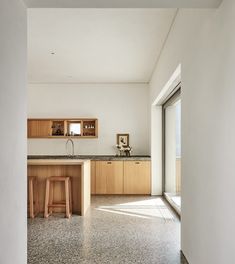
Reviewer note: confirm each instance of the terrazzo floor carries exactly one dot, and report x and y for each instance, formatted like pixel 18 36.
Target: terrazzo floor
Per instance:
pixel 117 229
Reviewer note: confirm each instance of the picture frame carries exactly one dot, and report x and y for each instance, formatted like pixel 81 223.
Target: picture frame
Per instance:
pixel 123 139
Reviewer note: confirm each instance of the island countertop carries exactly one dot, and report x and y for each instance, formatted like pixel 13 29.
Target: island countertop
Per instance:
pixel 81 158
pixel 56 161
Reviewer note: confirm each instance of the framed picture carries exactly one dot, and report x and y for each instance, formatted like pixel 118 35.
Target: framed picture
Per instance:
pixel 123 139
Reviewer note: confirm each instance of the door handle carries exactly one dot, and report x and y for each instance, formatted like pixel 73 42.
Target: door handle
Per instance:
pixel 109 162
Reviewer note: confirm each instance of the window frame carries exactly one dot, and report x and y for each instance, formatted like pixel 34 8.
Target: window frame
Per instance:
pixel 173 97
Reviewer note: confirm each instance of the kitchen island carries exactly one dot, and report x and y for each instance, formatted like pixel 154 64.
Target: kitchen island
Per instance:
pixel 77 169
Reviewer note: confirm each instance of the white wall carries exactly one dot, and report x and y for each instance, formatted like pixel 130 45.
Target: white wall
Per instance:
pixel 203 41
pixel 120 108
pixel 13 228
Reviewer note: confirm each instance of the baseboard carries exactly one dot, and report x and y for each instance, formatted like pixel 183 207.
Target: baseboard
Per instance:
pixel 183 258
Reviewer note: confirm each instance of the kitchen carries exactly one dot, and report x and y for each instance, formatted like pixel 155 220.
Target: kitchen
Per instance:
pixel 101 179
pixel 120 174
pixel 77 123
pixel 88 131
pixel 131 71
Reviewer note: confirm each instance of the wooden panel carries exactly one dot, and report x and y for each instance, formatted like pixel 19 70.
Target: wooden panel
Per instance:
pixel 137 177
pixel 39 128
pixel 96 128
pixel 100 179
pixel 93 177
pixel 44 171
pixel 109 177
pixel 85 187
pixel 114 176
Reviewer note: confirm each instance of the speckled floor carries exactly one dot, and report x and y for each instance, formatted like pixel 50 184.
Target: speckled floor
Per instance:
pixel 115 230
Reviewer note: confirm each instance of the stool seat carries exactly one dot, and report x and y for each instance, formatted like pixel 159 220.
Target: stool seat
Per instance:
pixel 58 178
pixel 33 196
pixel 49 204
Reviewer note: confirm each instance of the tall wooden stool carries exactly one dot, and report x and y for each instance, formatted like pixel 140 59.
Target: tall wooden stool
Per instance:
pixel 49 204
pixel 33 196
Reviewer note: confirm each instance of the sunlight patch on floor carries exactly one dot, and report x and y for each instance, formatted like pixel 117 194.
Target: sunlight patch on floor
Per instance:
pixel 151 208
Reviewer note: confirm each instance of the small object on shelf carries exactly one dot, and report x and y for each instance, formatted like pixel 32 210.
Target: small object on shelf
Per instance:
pixel 57 128
pixel 89 127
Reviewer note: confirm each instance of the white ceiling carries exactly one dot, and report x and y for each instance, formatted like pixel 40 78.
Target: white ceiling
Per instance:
pixel 95 45
pixel 124 3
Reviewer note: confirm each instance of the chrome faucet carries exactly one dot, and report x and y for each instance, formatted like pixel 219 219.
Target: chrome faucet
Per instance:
pixel 72 144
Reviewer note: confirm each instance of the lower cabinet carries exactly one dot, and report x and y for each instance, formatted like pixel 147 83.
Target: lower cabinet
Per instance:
pixel 137 177
pixel 109 177
pixel 93 166
pixel 120 177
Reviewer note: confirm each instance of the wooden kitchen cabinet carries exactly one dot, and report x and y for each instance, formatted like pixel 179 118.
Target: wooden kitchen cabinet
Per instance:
pixel 93 166
pixel 137 177
pixel 109 177
pixel 39 128
pixel 63 128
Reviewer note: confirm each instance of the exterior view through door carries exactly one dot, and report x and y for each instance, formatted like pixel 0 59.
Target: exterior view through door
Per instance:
pixel 172 150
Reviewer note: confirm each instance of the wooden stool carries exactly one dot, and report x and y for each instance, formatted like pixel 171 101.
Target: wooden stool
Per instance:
pixel 33 201
pixel 49 196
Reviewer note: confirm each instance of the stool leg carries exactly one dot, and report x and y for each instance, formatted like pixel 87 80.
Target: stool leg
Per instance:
pixel 36 198
pixel 47 198
pixel 51 197
pixel 70 197
pixel 67 198
pixel 31 211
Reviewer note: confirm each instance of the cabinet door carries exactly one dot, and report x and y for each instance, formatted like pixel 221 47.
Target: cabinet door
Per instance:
pixel 114 176
pixel 100 178
pixel 137 177
pixel 109 177
pixel 39 128
pixel 93 177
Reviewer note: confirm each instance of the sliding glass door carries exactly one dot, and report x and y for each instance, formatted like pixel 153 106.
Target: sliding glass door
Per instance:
pixel 172 150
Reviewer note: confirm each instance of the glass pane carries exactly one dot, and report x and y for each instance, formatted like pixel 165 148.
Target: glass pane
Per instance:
pixel 173 152
pixel 75 129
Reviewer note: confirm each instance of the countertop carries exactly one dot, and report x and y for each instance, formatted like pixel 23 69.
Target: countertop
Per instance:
pixel 62 161
pixel 89 157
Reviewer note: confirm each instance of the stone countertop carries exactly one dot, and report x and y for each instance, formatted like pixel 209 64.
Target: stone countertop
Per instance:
pixel 57 161
pixel 90 157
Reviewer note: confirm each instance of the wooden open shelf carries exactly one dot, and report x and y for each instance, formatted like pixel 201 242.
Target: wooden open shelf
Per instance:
pixel 62 128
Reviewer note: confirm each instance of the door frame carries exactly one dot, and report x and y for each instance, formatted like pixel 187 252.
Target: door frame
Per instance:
pixel 174 96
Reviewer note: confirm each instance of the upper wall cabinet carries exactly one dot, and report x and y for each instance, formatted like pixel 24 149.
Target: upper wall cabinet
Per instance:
pixel 63 128
pixel 39 128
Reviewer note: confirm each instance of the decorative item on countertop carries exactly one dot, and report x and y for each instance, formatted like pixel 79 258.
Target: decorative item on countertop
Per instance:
pixel 124 150
pixel 122 145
